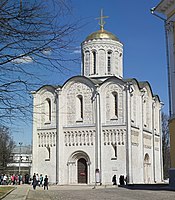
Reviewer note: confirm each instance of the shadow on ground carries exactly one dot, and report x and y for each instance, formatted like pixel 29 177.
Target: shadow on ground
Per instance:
pixel 163 186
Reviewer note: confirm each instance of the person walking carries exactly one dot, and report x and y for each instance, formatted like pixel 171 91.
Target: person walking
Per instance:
pixel 46 181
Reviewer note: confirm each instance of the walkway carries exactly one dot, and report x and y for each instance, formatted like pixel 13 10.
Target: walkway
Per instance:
pixel 84 192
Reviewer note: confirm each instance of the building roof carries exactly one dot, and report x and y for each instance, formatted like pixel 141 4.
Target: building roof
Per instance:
pixel 166 7
pixel 24 150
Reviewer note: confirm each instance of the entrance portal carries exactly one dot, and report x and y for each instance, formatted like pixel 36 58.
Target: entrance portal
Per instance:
pixel 82 171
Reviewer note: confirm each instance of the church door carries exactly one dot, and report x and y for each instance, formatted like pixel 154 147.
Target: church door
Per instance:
pixel 82 171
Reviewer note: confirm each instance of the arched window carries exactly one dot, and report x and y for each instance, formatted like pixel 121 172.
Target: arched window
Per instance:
pixel 86 63
pixel 48 110
pixel 114 105
pixel 115 96
pixel 109 62
pixel 94 62
pixel 144 113
pixel 79 108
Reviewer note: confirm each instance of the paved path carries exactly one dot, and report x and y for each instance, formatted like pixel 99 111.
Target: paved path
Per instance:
pixel 20 193
pixel 87 193
pixel 81 192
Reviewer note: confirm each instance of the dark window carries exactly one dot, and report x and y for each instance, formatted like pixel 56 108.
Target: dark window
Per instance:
pixel 94 62
pixel 115 103
pixel 80 106
pixel 109 62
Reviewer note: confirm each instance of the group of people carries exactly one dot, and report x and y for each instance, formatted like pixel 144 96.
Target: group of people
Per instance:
pixel 39 181
pixel 13 179
pixel 122 180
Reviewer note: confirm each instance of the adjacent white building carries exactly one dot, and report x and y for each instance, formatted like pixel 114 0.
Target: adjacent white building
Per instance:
pixel 98 124
pixel 21 160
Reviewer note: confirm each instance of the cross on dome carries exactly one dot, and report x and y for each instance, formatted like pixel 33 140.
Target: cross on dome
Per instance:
pixel 101 20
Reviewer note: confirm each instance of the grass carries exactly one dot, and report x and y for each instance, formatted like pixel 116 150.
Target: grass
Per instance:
pixel 4 190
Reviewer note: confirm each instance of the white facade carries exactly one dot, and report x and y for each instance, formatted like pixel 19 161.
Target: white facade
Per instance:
pixel 21 160
pixel 98 124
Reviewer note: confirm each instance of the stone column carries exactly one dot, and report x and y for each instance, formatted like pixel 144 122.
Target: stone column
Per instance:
pixel 128 135
pixel 57 100
pixel 98 134
pixel 141 135
pixel 153 139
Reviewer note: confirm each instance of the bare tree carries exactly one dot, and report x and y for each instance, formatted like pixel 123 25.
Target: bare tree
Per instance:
pixel 6 146
pixel 35 36
pixel 165 145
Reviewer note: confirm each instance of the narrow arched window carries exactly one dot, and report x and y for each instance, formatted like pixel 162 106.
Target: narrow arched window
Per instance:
pixel 87 63
pixel 94 62
pixel 48 111
pixel 79 108
pixel 115 103
pixel 109 62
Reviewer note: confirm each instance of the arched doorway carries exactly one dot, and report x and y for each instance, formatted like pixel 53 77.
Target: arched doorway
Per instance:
pixel 82 171
pixel 147 164
pixel 78 167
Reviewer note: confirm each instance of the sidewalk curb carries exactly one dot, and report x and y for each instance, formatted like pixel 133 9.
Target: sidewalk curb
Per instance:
pixel 27 194
pixel 8 193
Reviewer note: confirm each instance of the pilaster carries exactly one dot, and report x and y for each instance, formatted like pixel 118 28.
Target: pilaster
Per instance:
pixel 57 100
pixel 128 136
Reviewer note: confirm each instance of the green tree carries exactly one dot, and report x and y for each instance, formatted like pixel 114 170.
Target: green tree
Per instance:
pixel 165 145
pixel 6 146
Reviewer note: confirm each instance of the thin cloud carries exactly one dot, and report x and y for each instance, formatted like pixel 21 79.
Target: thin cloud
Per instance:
pixel 77 51
pixel 23 60
pixel 47 51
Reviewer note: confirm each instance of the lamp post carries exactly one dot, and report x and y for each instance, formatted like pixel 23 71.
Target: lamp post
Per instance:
pixel 167 54
pixel 20 144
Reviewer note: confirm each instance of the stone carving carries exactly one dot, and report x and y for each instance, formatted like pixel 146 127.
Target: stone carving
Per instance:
pixel 135 138
pixel 113 88
pixel 47 139
pixel 75 90
pixel 114 136
pixel 79 138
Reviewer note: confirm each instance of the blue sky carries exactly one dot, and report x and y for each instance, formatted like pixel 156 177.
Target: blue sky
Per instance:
pixel 142 35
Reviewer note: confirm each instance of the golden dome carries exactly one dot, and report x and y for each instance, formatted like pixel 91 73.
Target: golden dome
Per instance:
pixel 102 34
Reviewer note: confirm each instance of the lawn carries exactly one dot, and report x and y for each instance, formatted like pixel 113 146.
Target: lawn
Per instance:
pixel 4 190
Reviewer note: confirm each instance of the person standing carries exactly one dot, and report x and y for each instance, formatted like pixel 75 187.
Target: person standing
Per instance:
pixel 46 181
pixel 37 179
pixel 41 180
pixel 114 180
pixel 35 182
pixel 13 179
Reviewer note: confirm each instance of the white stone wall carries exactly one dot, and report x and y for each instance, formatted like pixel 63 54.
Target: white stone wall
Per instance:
pixel 58 148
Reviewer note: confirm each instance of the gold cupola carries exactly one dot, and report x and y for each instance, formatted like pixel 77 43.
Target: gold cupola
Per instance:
pixel 101 34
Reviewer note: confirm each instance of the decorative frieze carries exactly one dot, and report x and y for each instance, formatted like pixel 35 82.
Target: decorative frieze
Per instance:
pixel 79 138
pixel 135 138
pixel 47 139
pixel 114 136
pixel 147 141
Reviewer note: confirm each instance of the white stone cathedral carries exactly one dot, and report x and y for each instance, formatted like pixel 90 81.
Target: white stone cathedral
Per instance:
pixel 98 124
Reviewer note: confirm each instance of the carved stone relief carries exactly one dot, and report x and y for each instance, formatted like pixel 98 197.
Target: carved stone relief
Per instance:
pixel 114 136
pixel 75 90
pixel 79 138
pixel 46 139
